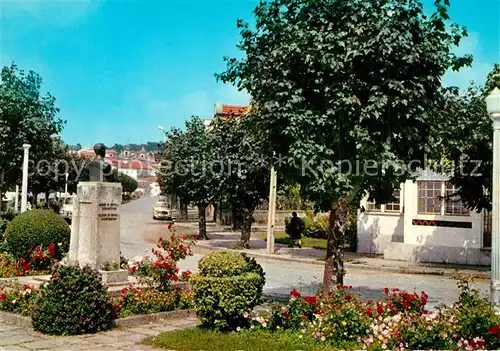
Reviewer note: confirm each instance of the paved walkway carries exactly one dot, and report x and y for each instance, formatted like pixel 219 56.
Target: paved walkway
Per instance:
pixel 14 337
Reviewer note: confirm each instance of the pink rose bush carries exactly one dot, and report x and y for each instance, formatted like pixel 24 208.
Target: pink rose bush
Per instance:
pixel 397 321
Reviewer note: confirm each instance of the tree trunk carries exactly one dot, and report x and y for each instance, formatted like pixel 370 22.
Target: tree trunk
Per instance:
pixel 34 200
pixel 202 222
pixel 246 228
pixel 219 217
pixel 47 194
pixel 184 211
pixel 236 221
pixel 2 182
pixel 215 212
pixel 334 263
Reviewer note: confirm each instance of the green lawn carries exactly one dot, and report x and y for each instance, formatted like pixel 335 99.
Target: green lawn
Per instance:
pixel 282 238
pixel 197 339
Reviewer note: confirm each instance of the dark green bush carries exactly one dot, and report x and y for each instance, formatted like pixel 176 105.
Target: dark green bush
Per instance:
pixel 73 302
pixel 36 227
pixel 227 286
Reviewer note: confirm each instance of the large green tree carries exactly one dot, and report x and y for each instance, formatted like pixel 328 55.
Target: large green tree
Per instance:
pixel 344 90
pixel 185 169
pixel 242 177
pixel 463 134
pixel 26 116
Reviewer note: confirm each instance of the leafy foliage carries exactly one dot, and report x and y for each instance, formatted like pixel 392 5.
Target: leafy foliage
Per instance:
pixel 26 116
pixel 73 302
pixel 336 84
pixel 133 301
pixel 463 134
pixel 227 286
pixel 36 228
pixel 185 169
pixel 241 171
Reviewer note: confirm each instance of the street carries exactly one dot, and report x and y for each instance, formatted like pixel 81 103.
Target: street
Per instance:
pixel 139 233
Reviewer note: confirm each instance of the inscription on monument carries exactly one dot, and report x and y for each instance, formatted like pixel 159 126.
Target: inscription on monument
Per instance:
pixel 108 207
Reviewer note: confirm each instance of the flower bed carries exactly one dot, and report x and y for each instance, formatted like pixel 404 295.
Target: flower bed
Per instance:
pixel 39 262
pixel 160 298
pixel 399 321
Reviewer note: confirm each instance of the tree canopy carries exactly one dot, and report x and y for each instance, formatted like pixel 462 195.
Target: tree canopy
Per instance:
pixel 340 85
pixel 239 169
pixel 184 172
pixel 26 117
pixel 463 134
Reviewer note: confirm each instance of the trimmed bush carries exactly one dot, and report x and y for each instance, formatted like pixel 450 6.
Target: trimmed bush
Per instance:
pixel 34 228
pixel 227 286
pixel 316 226
pixel 73 302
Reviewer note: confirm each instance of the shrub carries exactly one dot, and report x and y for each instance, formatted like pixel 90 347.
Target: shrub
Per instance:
pixel 162 270
pixel 316 226
pixel 134 301
pixel 37 228
pixel 73 302
pixel 227 286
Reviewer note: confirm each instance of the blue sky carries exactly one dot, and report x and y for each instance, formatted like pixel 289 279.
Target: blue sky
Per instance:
pixel 121 68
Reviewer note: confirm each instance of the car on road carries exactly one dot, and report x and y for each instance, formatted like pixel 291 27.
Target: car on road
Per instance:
pixel 163 210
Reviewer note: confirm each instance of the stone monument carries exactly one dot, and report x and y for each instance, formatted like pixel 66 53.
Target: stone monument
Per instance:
pixel 95 230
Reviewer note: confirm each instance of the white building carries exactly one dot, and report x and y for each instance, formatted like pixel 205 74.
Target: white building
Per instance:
pixel 423 227
pixel 136 169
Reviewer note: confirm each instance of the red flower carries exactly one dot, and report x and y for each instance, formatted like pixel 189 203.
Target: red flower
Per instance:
pixel 26 267
pixel 348 297
pixel 287 315
pixel 369 312
pixel 386 291
pixel 310 299
pixel 52 249
pixel 175 278
pixel 295 293
pixel 170 226
pixel 380 309
pixel 3 297
pixel 494 330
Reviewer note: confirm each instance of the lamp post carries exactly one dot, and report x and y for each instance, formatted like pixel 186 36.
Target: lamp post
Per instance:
pixel 24 191
pixel 66 186
pixel 493 108
pixel 16 200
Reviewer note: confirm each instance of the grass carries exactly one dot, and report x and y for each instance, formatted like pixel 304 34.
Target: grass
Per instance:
pixel 282 238
pixel 196 339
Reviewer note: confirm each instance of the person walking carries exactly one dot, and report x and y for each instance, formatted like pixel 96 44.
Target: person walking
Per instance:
pixel 295 229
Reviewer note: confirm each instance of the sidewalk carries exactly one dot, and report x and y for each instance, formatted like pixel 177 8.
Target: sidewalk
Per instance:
pixel 15 337
pixel 352 260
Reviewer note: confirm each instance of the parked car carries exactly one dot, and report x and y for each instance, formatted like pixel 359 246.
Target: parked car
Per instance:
pixel 66 211
pixel 163 210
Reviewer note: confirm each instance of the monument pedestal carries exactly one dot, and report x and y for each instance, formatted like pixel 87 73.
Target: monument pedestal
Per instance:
pixel 95 231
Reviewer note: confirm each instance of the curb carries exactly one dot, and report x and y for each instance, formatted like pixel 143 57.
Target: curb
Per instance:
pixel 154 317
pixel 12 318
pixel 446 272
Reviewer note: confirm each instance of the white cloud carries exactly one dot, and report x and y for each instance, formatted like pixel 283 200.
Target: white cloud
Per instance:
pixel 479 70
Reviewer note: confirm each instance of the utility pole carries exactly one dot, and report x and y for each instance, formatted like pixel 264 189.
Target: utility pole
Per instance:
pixel 271 211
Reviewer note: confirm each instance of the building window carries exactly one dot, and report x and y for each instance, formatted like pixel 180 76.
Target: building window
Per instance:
pixel 433 199
pixel 372 206
pixel 394 206
pixel 454 205
pixel 429 197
